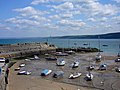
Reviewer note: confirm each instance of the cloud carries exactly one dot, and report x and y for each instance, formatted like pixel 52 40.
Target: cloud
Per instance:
pixel 64 6
pixel 29 11
pixel 72 23
pixel 36 2
pixel 91 19
pixel 118 1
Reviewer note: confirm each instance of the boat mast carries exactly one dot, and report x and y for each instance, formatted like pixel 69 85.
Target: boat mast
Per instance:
pixel 99 43
pixel 89 61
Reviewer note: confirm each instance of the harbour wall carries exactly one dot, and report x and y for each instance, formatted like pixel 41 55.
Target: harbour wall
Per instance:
pixel 24 49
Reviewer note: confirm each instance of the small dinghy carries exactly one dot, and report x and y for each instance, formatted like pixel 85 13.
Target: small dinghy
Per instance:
pixel 58 74
pixel 70 52
pixel 98 57
pixel 24 73
pixel 61 54
pixel 117 60
pixel 117 69
pixel 75 64
pixel 51 58
pixel 103 67
pixel 2 59
pixel 60 62
pixel 46 72
pixel 90 67
pixel 22 65
pixel 36 57
pixel 89 77
pixel 73 76
pixel 17 69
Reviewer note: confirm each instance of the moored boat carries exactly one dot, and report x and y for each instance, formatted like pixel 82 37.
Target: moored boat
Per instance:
pixel 75 64
pixel 61 54
pixel 22 65
pixel 103 67
pixel 98 57
pixel 46 72
pixel 117 60
pixel 24 73
pixel 2 59
pixel 51 58
pixel 60 62
pixel 76 75
pixel 89 77
pixel 58 74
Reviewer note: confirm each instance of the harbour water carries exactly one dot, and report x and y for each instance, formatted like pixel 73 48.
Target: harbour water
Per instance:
pixel 109 46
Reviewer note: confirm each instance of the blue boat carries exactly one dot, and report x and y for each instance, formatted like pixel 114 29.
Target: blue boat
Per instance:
pixel 46 72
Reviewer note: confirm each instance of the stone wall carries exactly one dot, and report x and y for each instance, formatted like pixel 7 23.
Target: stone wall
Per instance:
pixel 13 50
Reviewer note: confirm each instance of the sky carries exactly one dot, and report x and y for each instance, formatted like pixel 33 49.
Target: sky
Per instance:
pixel 44 18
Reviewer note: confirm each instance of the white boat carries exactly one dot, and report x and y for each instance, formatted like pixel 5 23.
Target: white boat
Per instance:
pixel 36 57
pixel 117 60
pixel 103 67
pixel 117 69
pixel 73 76
pixel 2 59
pixel 75 64
pixel 17 69
pixel 91 67
pixel 24 73
pixel 46 72
pixel 70 52
pixel 89 77
pixel 22 65
pixel 61 54
pixel 60 62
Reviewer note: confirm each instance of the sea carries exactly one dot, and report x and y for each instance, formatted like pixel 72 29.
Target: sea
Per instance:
pixel 108 46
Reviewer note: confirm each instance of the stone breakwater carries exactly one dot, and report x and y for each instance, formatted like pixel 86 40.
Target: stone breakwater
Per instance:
pixel 23 49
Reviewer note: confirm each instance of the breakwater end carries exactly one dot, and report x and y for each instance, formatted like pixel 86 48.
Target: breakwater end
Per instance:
pixel 24 49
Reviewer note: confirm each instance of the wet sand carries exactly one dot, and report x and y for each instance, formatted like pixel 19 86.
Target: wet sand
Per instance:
pixel 110 78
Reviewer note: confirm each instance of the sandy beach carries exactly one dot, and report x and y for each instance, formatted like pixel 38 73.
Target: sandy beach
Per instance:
pixel 34 81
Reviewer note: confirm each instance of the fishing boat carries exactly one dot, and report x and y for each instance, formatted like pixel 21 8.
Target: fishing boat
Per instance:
pixel 117 60
pixel 46 72
pixel 24 73
pixel 60 62
pixel 51 58
pixel 89 77
pixel 76 75
pixel 75 64
pixel 58 74
pixel 103 67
